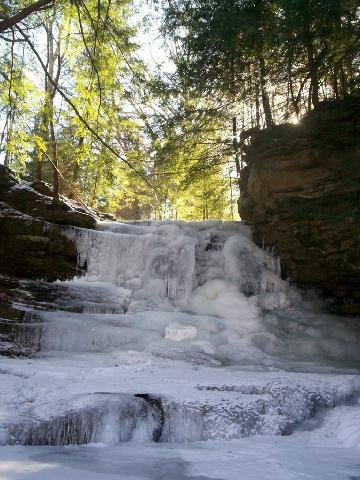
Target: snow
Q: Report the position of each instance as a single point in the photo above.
(256, 458)
(181, 354)
(178, 333)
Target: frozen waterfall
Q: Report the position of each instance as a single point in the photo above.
(201, 291)
(178, 332)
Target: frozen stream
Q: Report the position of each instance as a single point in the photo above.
(181, 354)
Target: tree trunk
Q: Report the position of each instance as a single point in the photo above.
(313, 75)
(257, 104)
(53, 57)
(343, 80)
(9, 137)
(310, 53)
(53, 148)
(294, 99)
(335, 82)
(236, 149)
(76, 171)
(309, 98)
(11, 114)
(264, 95)
(76, 168)
(231, 192)
(93, 196)
(44, 131)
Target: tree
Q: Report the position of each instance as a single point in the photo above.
(189, 152)
(80, 131)
(10, 18)
(220, 53)
(87, 116)
(237, 49)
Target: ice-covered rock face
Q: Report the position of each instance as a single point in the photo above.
(146, 266)
(112, 420)
(178, 332)
(201, 292)
(117, 418)
(168, 260)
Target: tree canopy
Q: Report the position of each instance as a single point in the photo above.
(279, 57)
(81, 109)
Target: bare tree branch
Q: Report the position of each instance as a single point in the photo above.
(8, 23)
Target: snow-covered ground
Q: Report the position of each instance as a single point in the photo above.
(181, 355)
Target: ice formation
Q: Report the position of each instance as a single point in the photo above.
(180, 332)
(199, 290)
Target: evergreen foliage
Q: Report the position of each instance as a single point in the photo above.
(278, 57)
(80, 110)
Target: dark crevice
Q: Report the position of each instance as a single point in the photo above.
(156, 403)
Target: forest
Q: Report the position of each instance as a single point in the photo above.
(180, 239)
(86, 108)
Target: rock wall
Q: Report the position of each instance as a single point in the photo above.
(32, 245)
(301, 193)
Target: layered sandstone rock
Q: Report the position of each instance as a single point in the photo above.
(301, 192)
(32, 240)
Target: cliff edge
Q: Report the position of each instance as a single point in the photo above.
(300, 191)
(32, 243)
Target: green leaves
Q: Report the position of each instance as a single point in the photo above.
(89, 49)
(266, 53)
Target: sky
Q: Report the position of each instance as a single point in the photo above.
(152, 46)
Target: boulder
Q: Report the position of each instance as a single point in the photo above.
(34, 198)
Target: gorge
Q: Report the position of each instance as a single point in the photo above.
(172, 350)
(179, 240)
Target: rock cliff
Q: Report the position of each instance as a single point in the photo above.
(300, 191)
(32, 244)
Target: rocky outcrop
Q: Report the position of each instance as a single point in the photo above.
(300, 191)
(35, 199)
(29, 248)
(32, 240)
